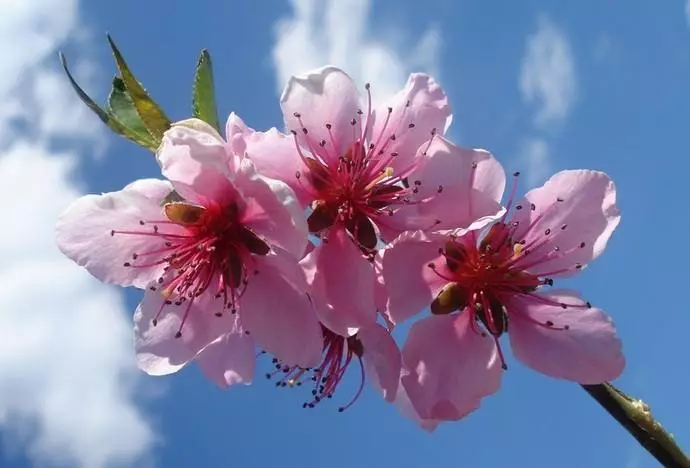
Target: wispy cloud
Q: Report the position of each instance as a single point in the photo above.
(548, 83)
(66, 359)
(548, 76)
(321, 32)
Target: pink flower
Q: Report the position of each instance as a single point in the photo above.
(218, 257)
(481, 284)
(374, 349)
(352, 165)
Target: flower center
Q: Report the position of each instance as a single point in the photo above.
(338, 353)
(203, 249)
(484, 273)
(358, 187)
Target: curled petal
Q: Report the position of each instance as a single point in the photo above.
(195, 158)
(229, 360)
(342, 284)
(587, 352)
(272, 212)
(410, 284)
(568, 221)
(276, 310)
(450, 367)
(325, 96)
(85, 234)
(382, 359)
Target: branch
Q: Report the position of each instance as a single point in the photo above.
(635, 416)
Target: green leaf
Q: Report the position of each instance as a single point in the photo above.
(109, 117)
(121, 108)
(204, 99)
(103, 115)
(152, 116)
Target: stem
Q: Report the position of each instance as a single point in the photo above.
(635, 416)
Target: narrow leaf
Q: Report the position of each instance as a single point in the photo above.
(204, 99)
(121, 108)
(154, 119)
(86, 99)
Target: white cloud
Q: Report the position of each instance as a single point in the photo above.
(547, 78)
(335, 32)
(66, 357)
(535, 157)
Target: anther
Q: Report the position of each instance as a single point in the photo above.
(127, 264)
(516, 174)
(390, 110)
(588, 304)
(178, 334)
(410, 125)
(564, 227)
(293, 132)
(141, 222)
(440, 189)
(549, 323)
(560, 200)
(564, 306)
(367, 86)
(532, 206)
(518, 207)
(328, 126)
(112, 232)
(297, 115)
(154, 322)
(474, 164)
(582, 245)
(547, 232)
(304, 130)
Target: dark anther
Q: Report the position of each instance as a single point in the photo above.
(474, 164)
(390, 110)
(532, 206)
(322, 143)
(564, 227)
(394, 154)
(141, 222)
(178, 334)
(588, 304)
(297, 114)
(578, 266)
(417, 182)
(547, 232)
(152, 288)
(127, 264)
(518, 207)
(431, 265)
(564, 306)
(304, 130)
(341, 409)
(160, 280)
(359, 112)
(439, 189)
(560, 200)
(549, 323)
(392, 137)
(353, 122)
(367, 86)
(293, 132)
(219, 314)
(582, 245)
(112, 232)
(328, 126)
(566, 327)
(268, 376)
(548, 281)
(154, 322)
(433, 131)
(516, 174)
(411, 125)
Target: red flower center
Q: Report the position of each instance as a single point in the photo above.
(358, 187)
(211, 253)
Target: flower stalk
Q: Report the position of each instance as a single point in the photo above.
(636, 417)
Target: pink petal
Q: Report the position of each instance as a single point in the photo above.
(342, 284)
(196, 160)
(83, 232)
(451, 367)
(272, 211)
(411, 285)
(229, 360)
(589, 352)
(405, 406)
(236, 132)
(277, 312)
(588, 212)
(159, 352)
(460, 170)
(382, 360)
(275, 155)
(421, 102)
(323, 96)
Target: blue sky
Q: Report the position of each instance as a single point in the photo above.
(544, 87)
